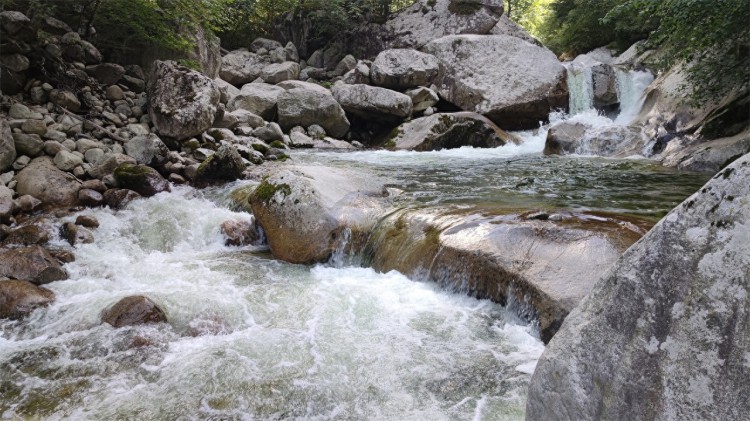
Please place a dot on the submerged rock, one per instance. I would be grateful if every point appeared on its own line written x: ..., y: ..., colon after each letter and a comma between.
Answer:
x: 510, y: 81
x: 34, y: 264
x: 305, y: 210
x: 665, y: 334
x: 611, y: 140
x: 19, y: 298
x: 448, y: 131
x: 133, y: 310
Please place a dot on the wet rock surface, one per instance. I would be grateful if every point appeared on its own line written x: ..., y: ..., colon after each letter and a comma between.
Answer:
x: 33, y: 264
x: 132, y: 311
x: 448, y: 131
x: 19, y: 298
x: 667, y: 326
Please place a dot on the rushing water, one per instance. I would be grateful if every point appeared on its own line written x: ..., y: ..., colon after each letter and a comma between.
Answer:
x: 250, y: 337
x: 253, y: 338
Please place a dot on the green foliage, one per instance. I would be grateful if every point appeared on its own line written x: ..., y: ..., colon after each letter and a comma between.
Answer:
x: 713, y: 37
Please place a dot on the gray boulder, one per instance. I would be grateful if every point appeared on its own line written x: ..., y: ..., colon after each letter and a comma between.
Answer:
x: 66, y: 161
x: 279, y: 72
x: 665, y: 334
x: 603, y: 79
x: 7, y: 145
x: 44, y: 181
x: 182, y: 102
x: 304, y: 211
x: 6, y: 204
x: 258, y: 98
x: 360, y: 74
x: 106, y: 73
x: 15, y: 62
x: 265, y: 44
x: 372, y: 102
x: 305, y: 104
x: 240, y: 67
x: 448, y: 131
x: 404, y: 69
x: 65, y: 99
x: 19, y: 298
x: 427, y: 20
x: 147, y: 150
x: 512, y: 82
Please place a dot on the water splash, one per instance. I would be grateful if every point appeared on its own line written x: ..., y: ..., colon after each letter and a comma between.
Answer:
x: 631, y: 86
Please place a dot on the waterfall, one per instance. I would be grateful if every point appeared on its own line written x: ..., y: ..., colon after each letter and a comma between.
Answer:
x: 631, y: 85
x: 580, y: 89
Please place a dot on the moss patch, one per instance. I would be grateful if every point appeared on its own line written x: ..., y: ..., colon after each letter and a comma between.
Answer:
x: 278, y: 144
x: 266, y: 190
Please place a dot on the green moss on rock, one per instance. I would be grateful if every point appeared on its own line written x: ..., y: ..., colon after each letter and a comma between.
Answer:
x: 267, y: 190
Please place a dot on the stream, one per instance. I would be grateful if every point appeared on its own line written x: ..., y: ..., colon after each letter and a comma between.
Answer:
x: 250, y: 337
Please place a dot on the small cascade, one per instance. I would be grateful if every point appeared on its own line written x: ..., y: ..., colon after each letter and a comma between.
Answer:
x: 580, y: 89
x: 631, y: 85
x: 340, y: 256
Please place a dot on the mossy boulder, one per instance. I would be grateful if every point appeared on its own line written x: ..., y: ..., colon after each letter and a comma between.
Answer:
x: 226, y: 164
x: 142, y: 179
x: 304, y: 210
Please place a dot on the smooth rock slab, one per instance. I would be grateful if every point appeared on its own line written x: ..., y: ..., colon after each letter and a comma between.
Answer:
x: 665, y: 334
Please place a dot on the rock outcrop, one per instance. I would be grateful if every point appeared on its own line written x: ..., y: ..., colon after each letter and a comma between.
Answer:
x: 510, y: 81
x: 448, y: 131
x: 182, y: 102
x: 665, y: 334
x: 304, y: 211
x: 241, y: 66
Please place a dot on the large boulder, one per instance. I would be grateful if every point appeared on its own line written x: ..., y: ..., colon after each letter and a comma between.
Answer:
x: 44, y: 181
x: 427, y: 20
x: 133, y: 310
x: 225, y: 164
x: 19, y: 298
x: 182, y: 102
x: 258, y: 98
x: 142, y: 179
x: 372, y: 102
x: 241, y: 66
x: 505, y: 26
x: 404, y: 69
x: 279, y: 72
x: 304, y: 211
x: 33, y: 264
x: 305, y: 104
x: 512, y: 82
x: 544, y: 262
x: 665, y: 334
x: 7, y: 145
x: 448, y: 131
x: 147, y: 149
